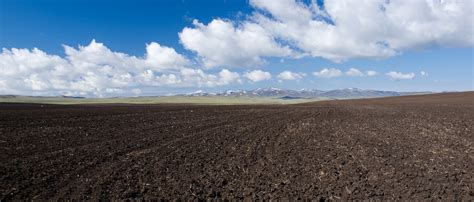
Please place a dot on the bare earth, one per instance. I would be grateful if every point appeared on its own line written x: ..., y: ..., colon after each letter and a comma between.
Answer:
x: 412, y: 147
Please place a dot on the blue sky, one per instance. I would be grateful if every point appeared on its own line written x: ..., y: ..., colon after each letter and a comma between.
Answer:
x: 123, y: 25
x: 224, y: 44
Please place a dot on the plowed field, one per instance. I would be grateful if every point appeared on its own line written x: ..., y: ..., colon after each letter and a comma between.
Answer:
x: 411, y: 147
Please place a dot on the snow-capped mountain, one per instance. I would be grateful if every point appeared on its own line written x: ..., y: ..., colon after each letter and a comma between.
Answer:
x: 304, y: 93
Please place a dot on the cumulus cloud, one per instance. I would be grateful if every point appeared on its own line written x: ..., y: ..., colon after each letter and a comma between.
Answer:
x: 371, y: 73
x: 423, y: 73
x: 258, y: 75
x: 328, y: 73
x: 161, y: 57
x: 336, y: 30
x: 223, y: 43
x: 201, y: 79
x: 95, y: 70
x: 354, y: 72
x: 369, y: 29
x: 288, y: 75
x: 400, y: 76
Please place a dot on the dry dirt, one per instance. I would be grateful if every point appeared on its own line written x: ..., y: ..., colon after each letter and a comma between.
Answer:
x: 413, y: 147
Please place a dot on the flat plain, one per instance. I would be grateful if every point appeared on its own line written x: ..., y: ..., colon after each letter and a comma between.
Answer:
x: 195, y: 100
x: 409, y: 147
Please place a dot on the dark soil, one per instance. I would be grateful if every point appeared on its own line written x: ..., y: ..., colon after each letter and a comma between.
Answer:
x: 413, y: 147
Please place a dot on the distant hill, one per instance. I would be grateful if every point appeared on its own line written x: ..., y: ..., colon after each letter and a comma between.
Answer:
x: 345, y: 93
x: 259, y: 95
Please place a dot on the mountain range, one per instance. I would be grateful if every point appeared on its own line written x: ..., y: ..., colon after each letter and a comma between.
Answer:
x: 305, y: 93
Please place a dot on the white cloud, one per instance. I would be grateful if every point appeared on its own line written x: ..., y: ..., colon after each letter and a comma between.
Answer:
x: 95, y: 70
x: 338, y: 31
x: 371, y: 73
x: 161, y: 57
x: 136, y: 91
x: 258, y: 75
x: 227, y: 77
x: 401, y: 76
x: 328, y: 73
x: 354, y: 72
x: 423, y: 73
x: 288, y: 75
x: 201, y: 79
x: 221, y: 43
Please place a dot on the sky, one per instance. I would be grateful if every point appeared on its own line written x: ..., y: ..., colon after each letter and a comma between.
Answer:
x: 103, y: 48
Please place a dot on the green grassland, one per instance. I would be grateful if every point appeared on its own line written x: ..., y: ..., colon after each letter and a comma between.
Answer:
x: 211, y: 100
